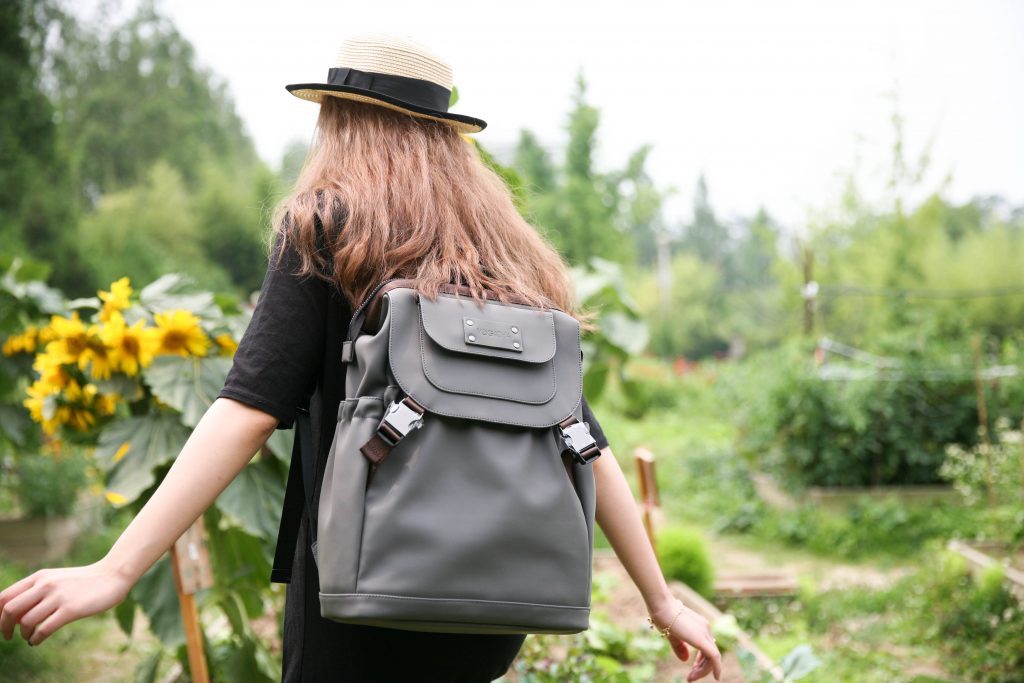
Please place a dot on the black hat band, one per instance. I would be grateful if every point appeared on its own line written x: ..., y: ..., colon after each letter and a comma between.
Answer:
x: 412, y: 90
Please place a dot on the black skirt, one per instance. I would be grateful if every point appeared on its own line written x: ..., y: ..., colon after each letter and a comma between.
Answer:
x: 318, y: 650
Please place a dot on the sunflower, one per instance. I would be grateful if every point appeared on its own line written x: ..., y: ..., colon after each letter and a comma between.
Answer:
x: 71, y: 338
x: 50, y: 366
x: 77, y: 411
x: 22, y: 343
x: 96, y: 355
x: 42, y: 404
x: 226, y: 343
x: 116, y: 299
x: 180, y: 334
x: 132, y: 347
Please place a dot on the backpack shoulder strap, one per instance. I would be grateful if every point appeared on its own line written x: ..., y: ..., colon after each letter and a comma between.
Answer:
x: 298, y: 498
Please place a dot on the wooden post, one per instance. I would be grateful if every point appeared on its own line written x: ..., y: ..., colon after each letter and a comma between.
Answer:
x: 649, y: 498
x: 983, y: 419
x: 1022, y: 459
x: 810, y: 290
x: 190, y: 559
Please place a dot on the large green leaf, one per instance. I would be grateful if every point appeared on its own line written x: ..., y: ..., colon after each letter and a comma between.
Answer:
x: 168, y: 293
x: 153, y: 440
x: 280, y: 444
x: 187, y: 383
x: 628, y: 333
x: 156, y: 594
x: 253, y: 500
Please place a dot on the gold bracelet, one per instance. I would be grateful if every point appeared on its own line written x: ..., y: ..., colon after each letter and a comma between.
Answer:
x: 668, y: 629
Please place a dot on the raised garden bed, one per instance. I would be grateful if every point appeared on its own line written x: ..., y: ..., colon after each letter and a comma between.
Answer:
x: 982, y: 554
x: 36, y: 540
x: 834, y: 497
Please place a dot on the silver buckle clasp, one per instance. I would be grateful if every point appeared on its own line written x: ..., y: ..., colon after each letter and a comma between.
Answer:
x: 579, y: 440
x: 400, y: 419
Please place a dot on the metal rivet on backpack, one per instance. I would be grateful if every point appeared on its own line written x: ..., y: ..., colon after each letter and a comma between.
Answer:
x: 472, y: 338
x: 515, y: 330
x: 515, y: 344
x: 470, y: 323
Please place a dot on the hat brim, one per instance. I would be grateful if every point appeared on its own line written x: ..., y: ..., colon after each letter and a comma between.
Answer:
x: 314, y: 92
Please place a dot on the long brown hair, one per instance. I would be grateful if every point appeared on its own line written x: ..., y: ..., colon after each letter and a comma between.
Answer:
x: 412, y: 198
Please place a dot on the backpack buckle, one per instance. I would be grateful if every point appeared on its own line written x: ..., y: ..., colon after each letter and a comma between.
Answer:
x: 399, y: 419
x: 578, y: 439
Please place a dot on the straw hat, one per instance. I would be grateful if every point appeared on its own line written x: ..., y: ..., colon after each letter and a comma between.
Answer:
x: 392, y: 71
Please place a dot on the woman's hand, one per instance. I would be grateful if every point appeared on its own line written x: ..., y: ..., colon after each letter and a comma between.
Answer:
x: 223, y: 442
x: 50, y: 598
x: 693, y: 629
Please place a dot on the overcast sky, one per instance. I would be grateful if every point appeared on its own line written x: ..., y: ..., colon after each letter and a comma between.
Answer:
x: 770, y: 99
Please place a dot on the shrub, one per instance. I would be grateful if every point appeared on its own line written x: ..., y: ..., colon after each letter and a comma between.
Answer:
x: 48, y: 484
x: 981, y: 624
x: 890, y: 426
x: 683, y: 555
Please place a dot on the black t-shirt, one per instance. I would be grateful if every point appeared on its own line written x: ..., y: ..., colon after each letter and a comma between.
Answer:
x: 291, y: 350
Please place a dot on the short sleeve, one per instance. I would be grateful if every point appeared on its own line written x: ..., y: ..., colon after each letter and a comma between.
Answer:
x: 595, y: 426
x: 280, y: 356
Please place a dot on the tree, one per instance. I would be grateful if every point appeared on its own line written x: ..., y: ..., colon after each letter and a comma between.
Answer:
x: 705, y: 235
x: 585, y: 212
x: 37, y: 214
x: 132, y: 94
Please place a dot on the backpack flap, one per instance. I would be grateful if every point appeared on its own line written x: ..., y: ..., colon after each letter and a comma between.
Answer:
x: 503, y: 363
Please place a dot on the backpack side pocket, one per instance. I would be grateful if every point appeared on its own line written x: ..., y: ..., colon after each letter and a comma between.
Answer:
x: 342, y: 493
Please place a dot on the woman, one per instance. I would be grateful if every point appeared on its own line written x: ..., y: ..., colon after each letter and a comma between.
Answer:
x: 392, y: 187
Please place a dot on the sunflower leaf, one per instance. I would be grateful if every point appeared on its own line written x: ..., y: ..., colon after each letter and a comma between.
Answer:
x: 188, y: 384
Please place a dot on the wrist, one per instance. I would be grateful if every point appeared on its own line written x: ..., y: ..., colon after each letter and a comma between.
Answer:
x: 665, y: 614
x: 119, y: 570
x: 663, y: 606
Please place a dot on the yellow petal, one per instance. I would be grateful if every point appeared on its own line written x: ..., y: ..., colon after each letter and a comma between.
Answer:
x: 122, y: 451
x: 116, y: 498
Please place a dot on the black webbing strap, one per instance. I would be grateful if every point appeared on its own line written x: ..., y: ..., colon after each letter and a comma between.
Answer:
x: 298, y: 496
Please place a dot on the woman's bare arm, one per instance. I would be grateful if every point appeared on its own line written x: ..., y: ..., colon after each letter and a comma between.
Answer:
x: 220, y: 446
x: 617, y: 514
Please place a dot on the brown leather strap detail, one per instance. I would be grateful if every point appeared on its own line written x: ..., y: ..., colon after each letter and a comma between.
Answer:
x: 375, y: 449
x: 370, y: 322
x: 412, y: 403
x: 568, y: 421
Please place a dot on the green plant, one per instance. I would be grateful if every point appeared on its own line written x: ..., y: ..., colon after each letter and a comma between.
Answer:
x: 980, y: 623
x: 619, y: 332
x: 49, y: 484
x: 683, y: 555
x: 604, y: 653
x: 968, y: 468
x: 796, y: 664
x: 845, y: 425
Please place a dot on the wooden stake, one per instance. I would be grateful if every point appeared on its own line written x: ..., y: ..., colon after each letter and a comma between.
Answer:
x: 191, y: 562
x: 649, y: 498
x: 983, y: 419
x: 1022, y: 459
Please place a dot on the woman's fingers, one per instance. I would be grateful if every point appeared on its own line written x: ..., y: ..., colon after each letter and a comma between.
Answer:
x: 706, y: 663
x: 680, y: 648
x: 53, y: 622
x: 32, y: 618
x: 701, y: 666
x: 17, y: 606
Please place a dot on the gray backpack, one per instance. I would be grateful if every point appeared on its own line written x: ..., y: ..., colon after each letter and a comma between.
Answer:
x: 457, y: 494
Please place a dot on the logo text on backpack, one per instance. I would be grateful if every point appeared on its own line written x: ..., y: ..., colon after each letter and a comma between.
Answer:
x: 493, y: 333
